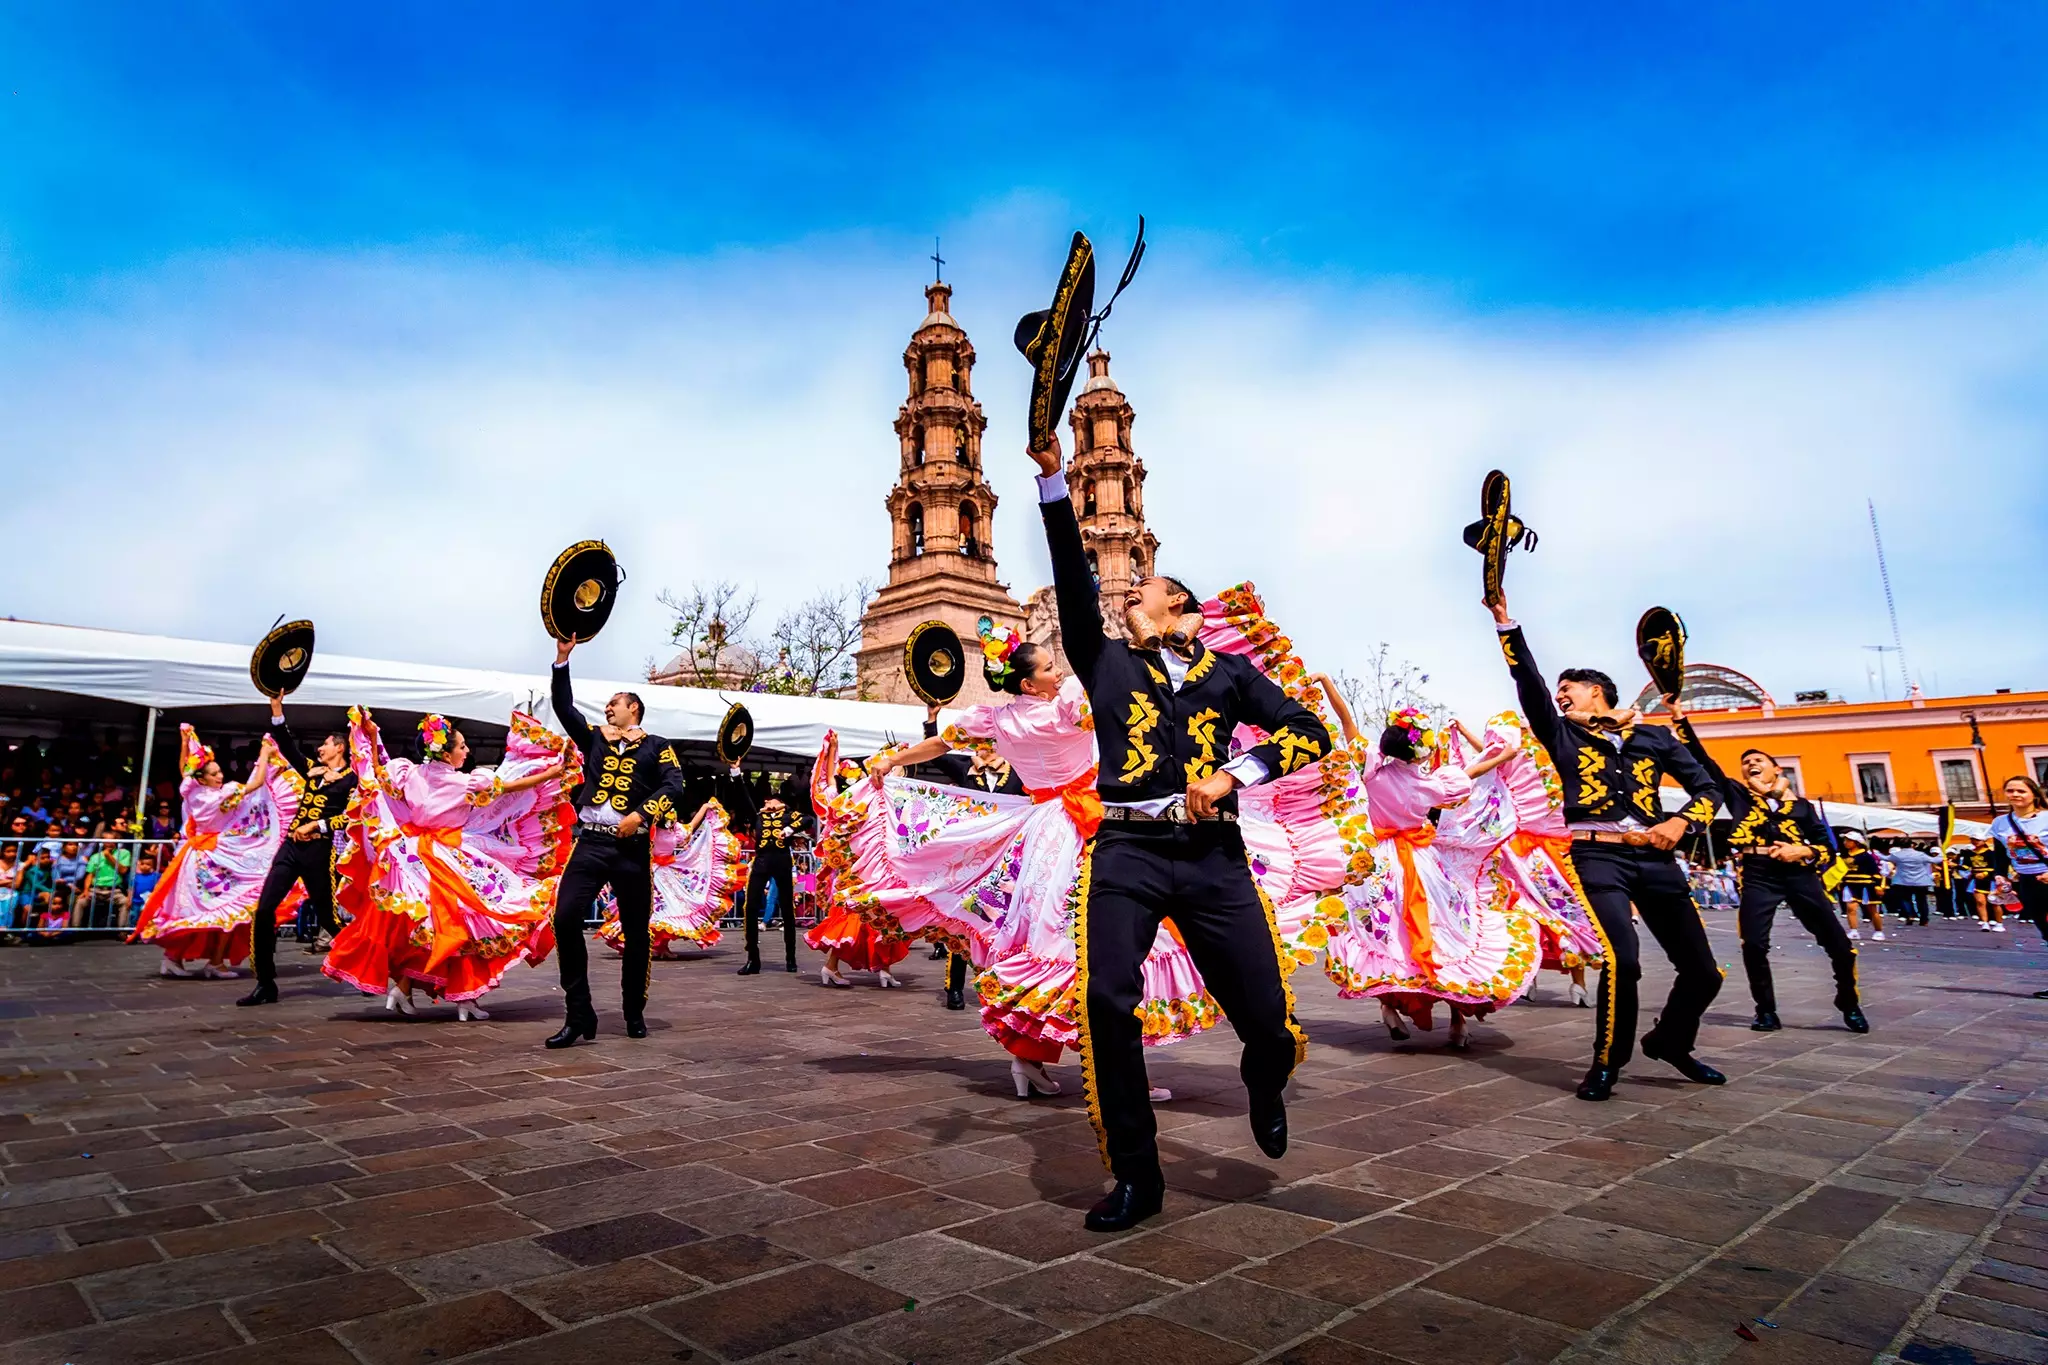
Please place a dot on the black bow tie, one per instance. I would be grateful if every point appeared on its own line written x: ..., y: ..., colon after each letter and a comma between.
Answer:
x: 1180, y: 642
x: 1603, y: 722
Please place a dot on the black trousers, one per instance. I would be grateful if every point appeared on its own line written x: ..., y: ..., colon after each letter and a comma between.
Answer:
x: 300, y: 862
x: 2033, y: 894
x: 771, y: 865
x: 1616, y: 876
x: 626, y: 865
x: 1132, y: 879
x: 1764, y: 886
x: 956, y: 972
x: 1909, y: 903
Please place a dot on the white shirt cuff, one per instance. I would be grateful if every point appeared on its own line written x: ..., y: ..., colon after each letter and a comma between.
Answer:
x: 1502, y: 630
x: 1052, y: 487
x: 1248, y: 771
x: 277, y: 720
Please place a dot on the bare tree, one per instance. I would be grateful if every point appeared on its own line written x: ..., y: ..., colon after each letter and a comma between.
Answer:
x: 816, y: 643
x: 1385, y: 684
x: 711, y: 626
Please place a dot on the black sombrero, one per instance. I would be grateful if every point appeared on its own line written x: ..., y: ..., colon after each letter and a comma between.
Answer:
x: 1660, y: 642
x: 735, y: 734
x: 1497, y: 531
x: 581, y: 588
x: 1054, y: 339
x: 279, y: 664
x: 935, y: 662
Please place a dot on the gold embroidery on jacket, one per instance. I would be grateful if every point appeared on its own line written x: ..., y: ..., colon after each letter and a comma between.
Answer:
x: 1296, y: 750
x: 1593, y: 793
x: 1644, y: 775
x: 1139, y: 757
x: 1202, y: 730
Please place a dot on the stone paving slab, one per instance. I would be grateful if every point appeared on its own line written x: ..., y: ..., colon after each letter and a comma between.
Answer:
x: 793, y: 1174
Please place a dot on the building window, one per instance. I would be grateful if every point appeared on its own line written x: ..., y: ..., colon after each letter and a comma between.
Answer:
x: 1874, y: 783
x: 1094, y: 572
x: 1793, y: 780
x: 970, y: 531
x: 1088, y: 500
x: 1958, y: 779
x: 916, y: 517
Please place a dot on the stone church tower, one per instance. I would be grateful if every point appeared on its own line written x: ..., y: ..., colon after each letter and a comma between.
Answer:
x: 1106, y: 480
x: 942, y: 562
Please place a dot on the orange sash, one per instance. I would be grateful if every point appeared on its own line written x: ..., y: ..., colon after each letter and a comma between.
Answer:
x: 1414, y: 900
x: 448, y: 887
x: 1524, y: 843
x: 1083, y: 802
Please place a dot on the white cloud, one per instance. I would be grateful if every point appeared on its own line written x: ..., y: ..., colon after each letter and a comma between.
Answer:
x: 439, y: 427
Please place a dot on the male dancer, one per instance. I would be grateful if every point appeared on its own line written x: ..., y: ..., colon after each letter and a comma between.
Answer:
x: 631, y: 780
x: 306, y: 857
x: 1862, y: 886
x: 774, y: 828
x: 1165, y: 708
x: 1783, y: 845
x: 1621, y: 846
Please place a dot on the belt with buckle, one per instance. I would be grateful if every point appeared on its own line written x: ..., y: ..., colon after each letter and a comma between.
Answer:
x: 601, y: 831
x: 1174, y: 814
x: 1631, y: 838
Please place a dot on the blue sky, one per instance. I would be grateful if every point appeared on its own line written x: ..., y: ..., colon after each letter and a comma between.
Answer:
x: 345, y: 228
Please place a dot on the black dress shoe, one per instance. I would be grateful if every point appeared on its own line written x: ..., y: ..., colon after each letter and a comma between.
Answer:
x: 1599, y: 1082
x: 1126, y: 1206
x: 1766, y: 1021
x: 1269, y: 1126
x: 1684, y: 1063
x: 2041, y: 995
x: 956, y: 1000
x: 938, y: 952
x: 636, y: 1028
x: 1853, y: 1019
x: 569, y: 1033
x: 264, y: 994
x: 753, y: 968
x: 790, y: 965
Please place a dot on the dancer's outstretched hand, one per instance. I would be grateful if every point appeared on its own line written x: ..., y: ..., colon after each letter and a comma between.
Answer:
x: 1048, y: 458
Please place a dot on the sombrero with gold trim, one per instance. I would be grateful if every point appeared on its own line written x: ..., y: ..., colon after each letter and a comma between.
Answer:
x: 1497, y: 531
x: 1051, y: 339
x: 735, y: 734
x: 582, y: 586
x: 935, y: 662
x: 1660, y: 642
x: 279, y: 664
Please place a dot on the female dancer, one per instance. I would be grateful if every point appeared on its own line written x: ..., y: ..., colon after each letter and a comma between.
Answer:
x: 698, y: 869
x: 205, y: 902
x: 847, y: 938
x: 1424, y: 927
x: 1002, y: 876
x: 450, y: 875
x: 1536, y: 860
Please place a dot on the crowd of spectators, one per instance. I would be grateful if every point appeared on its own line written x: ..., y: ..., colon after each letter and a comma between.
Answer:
x: 71, y: 855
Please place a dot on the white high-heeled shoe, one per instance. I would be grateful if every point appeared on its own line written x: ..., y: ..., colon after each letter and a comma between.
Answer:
x: 1159, y: 1094
x: 828, y: 977
x: 466, y: 1010
x: 1031, y: 1078
x: 1579, y: 995
x: 886, y: 981
x: 1392, y: 1019
x: 397, y: 999
x: 1459, y: 1040
x: 213, y: 973
x: 172, y: 969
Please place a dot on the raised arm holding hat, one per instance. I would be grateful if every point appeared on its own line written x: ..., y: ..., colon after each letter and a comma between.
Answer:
x: 631, y: 782
x: 326, y: 785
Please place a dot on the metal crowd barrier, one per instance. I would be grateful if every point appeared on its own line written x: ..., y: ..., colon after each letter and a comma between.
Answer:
x: 31, y: 910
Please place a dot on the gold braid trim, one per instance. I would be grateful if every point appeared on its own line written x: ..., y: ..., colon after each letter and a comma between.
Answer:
x: 1285, y: 963
x: 1086, y: 1043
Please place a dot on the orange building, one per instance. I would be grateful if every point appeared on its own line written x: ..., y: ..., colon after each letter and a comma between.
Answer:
x: 1920, y: 753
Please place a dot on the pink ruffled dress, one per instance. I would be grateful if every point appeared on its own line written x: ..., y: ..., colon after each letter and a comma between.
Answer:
x: 204, y: 905
x: 1430, y: 923
x: 697, y: 872
x: 1535, y: 860
x: 1000, y: 875
x: 450, y: 879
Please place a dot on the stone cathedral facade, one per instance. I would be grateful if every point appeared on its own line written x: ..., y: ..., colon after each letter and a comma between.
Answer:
x: 942, y: 562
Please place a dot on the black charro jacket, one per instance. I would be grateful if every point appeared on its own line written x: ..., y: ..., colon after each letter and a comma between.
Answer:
x: 1601, y: 783
x: 1760, y: 820
x: 627, y: 775
x: 1154, y: 741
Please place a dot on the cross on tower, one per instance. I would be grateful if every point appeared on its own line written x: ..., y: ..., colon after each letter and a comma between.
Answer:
x: 938, y: 262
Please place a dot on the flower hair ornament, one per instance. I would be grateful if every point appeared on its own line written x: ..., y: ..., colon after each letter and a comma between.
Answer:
x: 1422, y: 737
x: 998, y: 644
x: 436, y: 734
x: 194, y: 759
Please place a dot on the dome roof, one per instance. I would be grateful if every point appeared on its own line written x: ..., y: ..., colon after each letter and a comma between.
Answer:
x: 1708, y: 687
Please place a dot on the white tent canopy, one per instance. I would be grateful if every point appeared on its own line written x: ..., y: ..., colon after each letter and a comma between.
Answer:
x: 167, y: 673
x: 1842, y: 815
